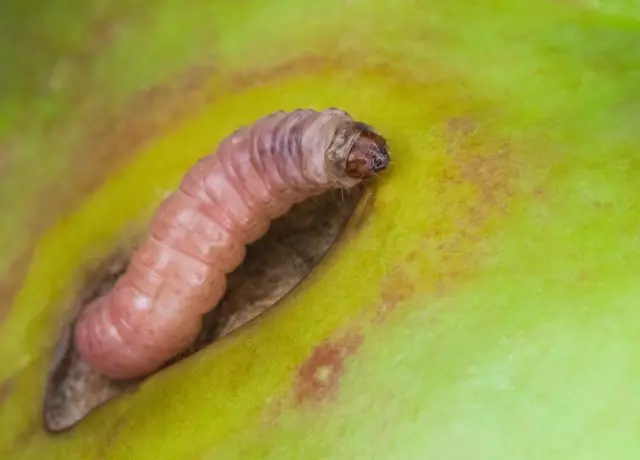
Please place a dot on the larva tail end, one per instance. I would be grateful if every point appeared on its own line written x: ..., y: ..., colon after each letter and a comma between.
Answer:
x: 369, y: 154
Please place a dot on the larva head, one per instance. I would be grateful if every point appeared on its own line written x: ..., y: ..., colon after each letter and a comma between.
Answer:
x: 356, y: 153
x: 368, y: 156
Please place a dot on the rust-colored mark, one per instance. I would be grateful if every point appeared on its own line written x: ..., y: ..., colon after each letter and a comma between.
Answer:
x: 318, y: 378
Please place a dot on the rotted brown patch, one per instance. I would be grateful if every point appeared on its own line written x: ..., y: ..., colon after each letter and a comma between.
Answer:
x: 450, y: 248
x: 318, y: 378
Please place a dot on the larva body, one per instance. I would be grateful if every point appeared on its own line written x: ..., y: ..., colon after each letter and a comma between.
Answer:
x: 199, y: 233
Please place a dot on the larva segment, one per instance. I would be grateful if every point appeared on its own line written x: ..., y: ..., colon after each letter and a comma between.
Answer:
x: 199, y: 233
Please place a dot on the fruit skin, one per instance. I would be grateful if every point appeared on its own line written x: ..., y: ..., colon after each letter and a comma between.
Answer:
x: 483, y: 303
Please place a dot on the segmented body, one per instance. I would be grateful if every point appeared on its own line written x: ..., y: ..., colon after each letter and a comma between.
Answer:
x: 199, y: 233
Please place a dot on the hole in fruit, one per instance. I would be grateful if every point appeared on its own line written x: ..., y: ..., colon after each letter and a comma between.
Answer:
x: 273, y: 266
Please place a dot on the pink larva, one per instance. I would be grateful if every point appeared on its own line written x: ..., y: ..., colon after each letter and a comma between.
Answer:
x: 199, y: 233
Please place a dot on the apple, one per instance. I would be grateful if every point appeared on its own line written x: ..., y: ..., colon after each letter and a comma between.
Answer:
x: 482, y: 301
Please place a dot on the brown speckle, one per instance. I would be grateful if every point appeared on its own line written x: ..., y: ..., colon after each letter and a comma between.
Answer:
x: 319, y: 377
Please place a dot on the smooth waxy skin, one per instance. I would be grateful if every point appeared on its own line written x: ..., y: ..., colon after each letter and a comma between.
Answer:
x: 493, y: 279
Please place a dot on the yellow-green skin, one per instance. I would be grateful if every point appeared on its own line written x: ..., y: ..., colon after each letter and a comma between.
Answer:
x: 484, y: 303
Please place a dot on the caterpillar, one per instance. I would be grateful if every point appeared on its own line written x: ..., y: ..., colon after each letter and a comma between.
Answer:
x: 199, y: 233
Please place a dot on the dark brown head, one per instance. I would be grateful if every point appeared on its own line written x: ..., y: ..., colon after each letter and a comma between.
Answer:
x: 368, y: 156
x: 355, y: 153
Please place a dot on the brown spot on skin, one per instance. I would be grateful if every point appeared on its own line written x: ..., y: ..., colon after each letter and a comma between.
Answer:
x: 318, y: 378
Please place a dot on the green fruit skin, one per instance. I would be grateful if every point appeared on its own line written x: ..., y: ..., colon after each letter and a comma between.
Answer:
x: 482, y: 304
